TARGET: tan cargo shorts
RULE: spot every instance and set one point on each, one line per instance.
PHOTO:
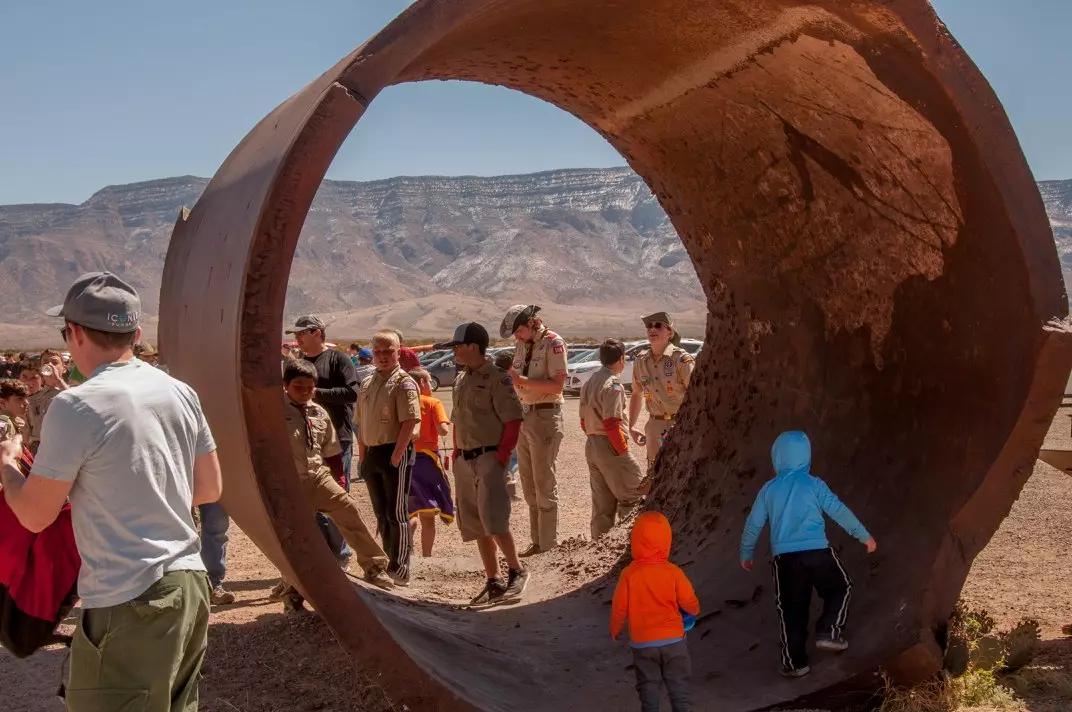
(483, 502)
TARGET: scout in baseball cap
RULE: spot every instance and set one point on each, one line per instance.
(304, 323)
(468, 333)
(100, 301)
(654, 320)
(517, 315)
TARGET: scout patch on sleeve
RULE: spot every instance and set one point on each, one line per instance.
(668, 367)
(507, 381)
(616, 387)
(686, 358)
(408, 385)
(558, 346)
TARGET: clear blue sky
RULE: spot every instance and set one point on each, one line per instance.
(99, 93)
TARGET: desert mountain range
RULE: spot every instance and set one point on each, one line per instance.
(592, 246)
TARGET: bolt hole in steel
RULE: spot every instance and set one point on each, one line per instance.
(878, 270)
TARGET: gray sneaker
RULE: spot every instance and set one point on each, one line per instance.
(220, 596)
(493, 592)
(796, 672)
(378, 577)
(399, 579)
(278, 592)
(835, 644)
(516, 582)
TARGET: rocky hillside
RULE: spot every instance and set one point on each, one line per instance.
(570, 236)
(1057, 194)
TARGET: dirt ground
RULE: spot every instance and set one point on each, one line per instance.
(262, 661)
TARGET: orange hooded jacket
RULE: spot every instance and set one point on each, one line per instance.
(652, 592)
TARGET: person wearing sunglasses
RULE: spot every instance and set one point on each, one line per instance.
(661, 375)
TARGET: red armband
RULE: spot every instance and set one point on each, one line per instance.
(334, 464)
(508, 441)
(616, 435)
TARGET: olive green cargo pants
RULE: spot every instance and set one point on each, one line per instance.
(144, 655)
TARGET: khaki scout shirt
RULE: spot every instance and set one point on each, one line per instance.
(484, 401)
(312, 437)
(35, 416)
(663, 380)
(383, 403)
(546, 357)
(602, 397)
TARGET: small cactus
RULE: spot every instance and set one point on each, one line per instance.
(988, 653)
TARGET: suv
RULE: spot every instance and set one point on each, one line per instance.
(581, 370)
(442, 370)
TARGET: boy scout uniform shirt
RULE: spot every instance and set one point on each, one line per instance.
(602, 397)
(383, 403)
(548, 360)
(663, 380)
(38, 406)
(484, 401)
(312, 437)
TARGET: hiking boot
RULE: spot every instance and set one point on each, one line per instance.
(834, 644)
(398, 579)
(378, 577)
(531, 551)
(492, 593)
(516, 581)
(796, 672)
(220, 596)
(276, 594)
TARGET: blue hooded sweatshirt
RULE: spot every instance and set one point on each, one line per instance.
(794, 502)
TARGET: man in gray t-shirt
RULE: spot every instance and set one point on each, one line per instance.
(132, 450)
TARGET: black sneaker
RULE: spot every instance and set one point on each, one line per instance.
(516, 582)
(493, 592)
(531, 551)
(796, 672)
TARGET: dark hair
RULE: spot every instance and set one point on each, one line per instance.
(504, 360)
(295, 368)
(12, 387)
(28, 365)
(354, 346)
(109, 340)
(611, 352)
(47, 353)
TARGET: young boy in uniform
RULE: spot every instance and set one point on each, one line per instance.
(652, 595)
(318, 458)
(794, 502)
(429, 490)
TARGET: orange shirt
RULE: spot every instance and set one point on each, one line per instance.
(652, 592)
(432, 414)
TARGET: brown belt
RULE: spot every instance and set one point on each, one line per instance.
(665, 417)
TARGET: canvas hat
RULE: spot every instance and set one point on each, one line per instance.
(663, 318)
(516, 316)
(100, 301)
(144, 349)
(307, 322)
(468, 333)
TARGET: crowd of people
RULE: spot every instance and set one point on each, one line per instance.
(130, 448)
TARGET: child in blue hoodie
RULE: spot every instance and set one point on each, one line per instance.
(794, 502)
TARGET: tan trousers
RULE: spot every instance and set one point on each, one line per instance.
(653, 430)
(537, 450)
(614, 480)
(328, 497)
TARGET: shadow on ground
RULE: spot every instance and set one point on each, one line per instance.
(283, 663)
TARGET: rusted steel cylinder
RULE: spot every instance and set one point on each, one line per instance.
(878, 269)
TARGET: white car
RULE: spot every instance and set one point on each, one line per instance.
(581, 370)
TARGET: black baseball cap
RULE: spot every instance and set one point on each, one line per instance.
(307, 322)
(101, 301)
(468, 333)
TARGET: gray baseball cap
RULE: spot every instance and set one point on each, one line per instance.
(101, 301)
(468, 333)
(307, 322)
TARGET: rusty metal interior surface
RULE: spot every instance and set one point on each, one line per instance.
(878, 269)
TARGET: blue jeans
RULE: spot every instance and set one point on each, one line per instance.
(331, 534)
(214, 525)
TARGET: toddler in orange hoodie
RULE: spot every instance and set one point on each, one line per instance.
(652, 594)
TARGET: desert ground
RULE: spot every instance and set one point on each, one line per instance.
(261, 660)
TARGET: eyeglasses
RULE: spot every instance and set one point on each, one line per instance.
(656, 325)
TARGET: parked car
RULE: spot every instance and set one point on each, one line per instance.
(443, 371)
(432, 356)
(579, 372)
